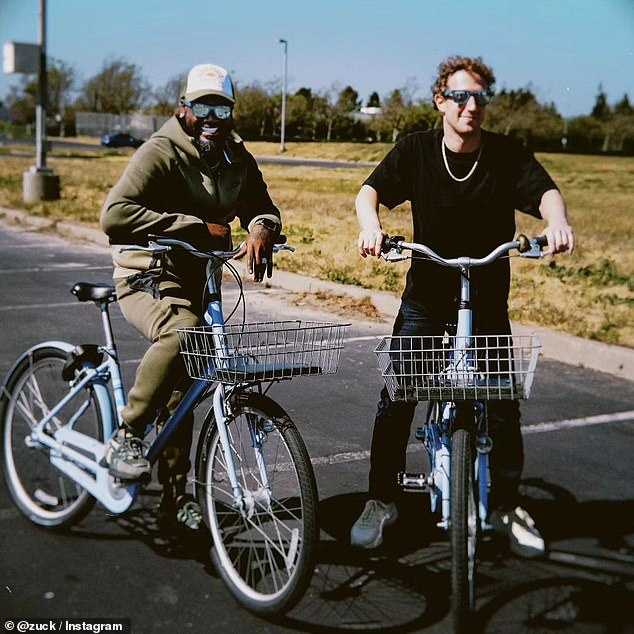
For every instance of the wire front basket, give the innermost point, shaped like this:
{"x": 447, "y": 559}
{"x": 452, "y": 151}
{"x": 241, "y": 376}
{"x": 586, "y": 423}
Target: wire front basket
{"x": 266, "y": 351}
{"x": 482, "y": 367}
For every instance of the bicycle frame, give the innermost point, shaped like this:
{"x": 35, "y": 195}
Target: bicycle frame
{"x": 437, "y": 438}
{"x": 463, "y": 361}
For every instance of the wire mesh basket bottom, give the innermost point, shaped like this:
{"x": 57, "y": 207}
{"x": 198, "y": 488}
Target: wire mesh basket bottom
{"x": 483, "y": 367}
{"x": 262, "y": 351}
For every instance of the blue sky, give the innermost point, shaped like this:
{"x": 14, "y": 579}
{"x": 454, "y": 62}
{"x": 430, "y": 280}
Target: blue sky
{"x": 562, "y": 48}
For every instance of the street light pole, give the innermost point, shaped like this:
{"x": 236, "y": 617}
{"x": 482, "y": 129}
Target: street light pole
{"x": 40, "y": 109}
{"x": 282, "y": 145}
{"x": 40, "y": 182}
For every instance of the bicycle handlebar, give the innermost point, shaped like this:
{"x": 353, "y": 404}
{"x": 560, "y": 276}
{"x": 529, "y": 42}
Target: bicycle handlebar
{"x": 528, "y": 248}
{"x": 159, "y": 244}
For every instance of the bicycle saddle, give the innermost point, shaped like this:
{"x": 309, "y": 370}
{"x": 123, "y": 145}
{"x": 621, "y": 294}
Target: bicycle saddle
{"x": 85, "y": 292}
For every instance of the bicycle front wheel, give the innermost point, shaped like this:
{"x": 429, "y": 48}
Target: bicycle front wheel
{"x": 464, "y": 529}
{"x": 264, "y": 547}
{"x": 43, "y": 493}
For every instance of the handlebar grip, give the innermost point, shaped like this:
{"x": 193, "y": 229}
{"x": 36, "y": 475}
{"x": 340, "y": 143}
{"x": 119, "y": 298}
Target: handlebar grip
{"x": 525, "y": 243}
{"x": 391, "y": 243}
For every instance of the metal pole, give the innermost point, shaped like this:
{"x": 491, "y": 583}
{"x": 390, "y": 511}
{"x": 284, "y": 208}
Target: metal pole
{"x": 40, "y": 182}
{"x": 40, "y": 112}
{"x": 282, "y": 145}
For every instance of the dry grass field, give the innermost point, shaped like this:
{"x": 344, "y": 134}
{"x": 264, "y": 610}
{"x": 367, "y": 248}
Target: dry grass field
{"x": 589, "y": 294}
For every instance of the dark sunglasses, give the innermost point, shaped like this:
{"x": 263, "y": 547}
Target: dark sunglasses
{"x": 202, "y": 110}
{"x": 461, "y": 97}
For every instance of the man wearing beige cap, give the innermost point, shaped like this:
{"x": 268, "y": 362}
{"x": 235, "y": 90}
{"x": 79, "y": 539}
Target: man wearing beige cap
{"x": 188, "y": 181}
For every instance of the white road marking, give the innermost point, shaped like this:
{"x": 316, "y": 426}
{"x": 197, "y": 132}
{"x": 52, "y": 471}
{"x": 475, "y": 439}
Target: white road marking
{"x": 70, "y": 266}
{"x": 36, "y": 306}
{"x": 538, "y": 428}
{"x": 601, "y": 419}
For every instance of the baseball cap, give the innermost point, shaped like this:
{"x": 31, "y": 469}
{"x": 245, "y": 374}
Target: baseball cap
{"x": 209, "y": 79}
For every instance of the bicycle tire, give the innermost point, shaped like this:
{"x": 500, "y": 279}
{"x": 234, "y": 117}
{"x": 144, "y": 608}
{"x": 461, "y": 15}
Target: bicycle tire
{"x": 264, "y": 555}
{"x": 41, "y": 492}
{"x": 464, "y": 529}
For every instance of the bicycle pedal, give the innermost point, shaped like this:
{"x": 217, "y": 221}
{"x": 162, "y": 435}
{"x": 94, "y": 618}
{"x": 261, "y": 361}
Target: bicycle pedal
{"x": 413, "y": 482}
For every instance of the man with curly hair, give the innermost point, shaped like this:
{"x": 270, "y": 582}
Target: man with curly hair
{"x": 464, "y": 185}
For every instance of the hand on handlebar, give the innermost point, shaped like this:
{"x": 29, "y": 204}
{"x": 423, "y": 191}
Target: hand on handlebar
{"x": 258, "y": 247}
{"x": 371, "y": 242}
{"x": 560, "y": 238}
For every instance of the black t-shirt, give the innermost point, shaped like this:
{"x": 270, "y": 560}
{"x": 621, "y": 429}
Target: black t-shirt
{"x": 468, "y": 218}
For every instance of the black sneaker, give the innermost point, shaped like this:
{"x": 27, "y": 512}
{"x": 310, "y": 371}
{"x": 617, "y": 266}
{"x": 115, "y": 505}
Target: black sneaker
{"x": 125, "y": 456}
{"x": 518, "y": 526}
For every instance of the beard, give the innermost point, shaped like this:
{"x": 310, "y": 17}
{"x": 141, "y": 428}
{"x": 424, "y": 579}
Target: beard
{"x": 205, "y": 147}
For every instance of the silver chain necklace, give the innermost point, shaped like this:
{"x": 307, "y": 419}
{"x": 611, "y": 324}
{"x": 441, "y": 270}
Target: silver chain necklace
{"x": 444, "y": 158}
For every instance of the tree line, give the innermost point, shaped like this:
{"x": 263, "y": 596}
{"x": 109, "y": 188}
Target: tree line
{"x": 335, "y": 114}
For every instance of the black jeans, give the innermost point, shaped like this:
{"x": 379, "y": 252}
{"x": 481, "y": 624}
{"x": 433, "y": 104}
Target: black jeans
{"x": 393, "y": 421}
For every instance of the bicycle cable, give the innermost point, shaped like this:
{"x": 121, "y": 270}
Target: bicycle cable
{"x": 219, "y": 263}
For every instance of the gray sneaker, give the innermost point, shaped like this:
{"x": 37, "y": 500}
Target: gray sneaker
{"x": 189, "y": 513}
{"x": 367, "y": 531}
{"x": 125, "y": 456}
{"x": 525, "y": 540}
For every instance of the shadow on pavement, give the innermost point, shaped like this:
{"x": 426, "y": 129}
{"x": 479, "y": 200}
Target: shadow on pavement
{"x": 586, "y": 584}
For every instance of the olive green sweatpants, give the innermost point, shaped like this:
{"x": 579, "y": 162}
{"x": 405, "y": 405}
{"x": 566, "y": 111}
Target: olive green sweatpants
{"x": 161, "y": 379}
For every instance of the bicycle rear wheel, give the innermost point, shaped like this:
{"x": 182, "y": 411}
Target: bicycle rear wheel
{"x": 44, "y": 494}
{"x": 464, "y": 529}
{"x": 264, "y": 551}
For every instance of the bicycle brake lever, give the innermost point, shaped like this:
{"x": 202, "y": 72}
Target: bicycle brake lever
{"x": 394, "y": 256}
{"x": 282, "y": 247}
{"x": 152, "y": 247}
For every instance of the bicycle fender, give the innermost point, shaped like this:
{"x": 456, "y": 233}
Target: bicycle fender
{"x": 62, "y": 345}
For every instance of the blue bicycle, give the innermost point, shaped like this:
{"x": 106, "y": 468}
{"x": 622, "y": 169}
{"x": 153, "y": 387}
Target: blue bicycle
{"x": 457, "y": 373}
{"x": 253, "y": 477}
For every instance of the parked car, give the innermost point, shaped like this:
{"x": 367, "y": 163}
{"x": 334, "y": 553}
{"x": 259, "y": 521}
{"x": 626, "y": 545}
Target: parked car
{"x": 120, "y": 139}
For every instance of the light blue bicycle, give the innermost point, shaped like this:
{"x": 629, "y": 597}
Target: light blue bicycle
{"x": 253, "y": 477}
{"x": 457, "y": 373}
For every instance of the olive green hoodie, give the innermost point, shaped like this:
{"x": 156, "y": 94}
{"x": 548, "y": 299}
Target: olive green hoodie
{"x": 167, "y": 189}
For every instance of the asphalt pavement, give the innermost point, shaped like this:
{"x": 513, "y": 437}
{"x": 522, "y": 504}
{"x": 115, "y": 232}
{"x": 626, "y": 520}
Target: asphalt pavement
{"x": 578, "y": 429}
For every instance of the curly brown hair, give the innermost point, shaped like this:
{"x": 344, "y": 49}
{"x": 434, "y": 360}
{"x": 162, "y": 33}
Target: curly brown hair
{"x": 455, "y": 63}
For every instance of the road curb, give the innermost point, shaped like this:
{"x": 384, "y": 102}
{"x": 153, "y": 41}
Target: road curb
{"x": 615, "y": 360}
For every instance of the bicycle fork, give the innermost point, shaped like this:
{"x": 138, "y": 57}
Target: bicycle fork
{"x": 436, "y": 437}
{"x": 483, "y": 447}
{"x": 245, "y": 500}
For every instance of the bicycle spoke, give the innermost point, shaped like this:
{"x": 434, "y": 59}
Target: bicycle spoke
{"x": 43, "y": 493}
{"x": 264, "y": 545}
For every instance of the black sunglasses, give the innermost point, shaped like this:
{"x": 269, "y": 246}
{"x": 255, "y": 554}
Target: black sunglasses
{"x": 202, "y": 110}
{"x": 461, "y": 97}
